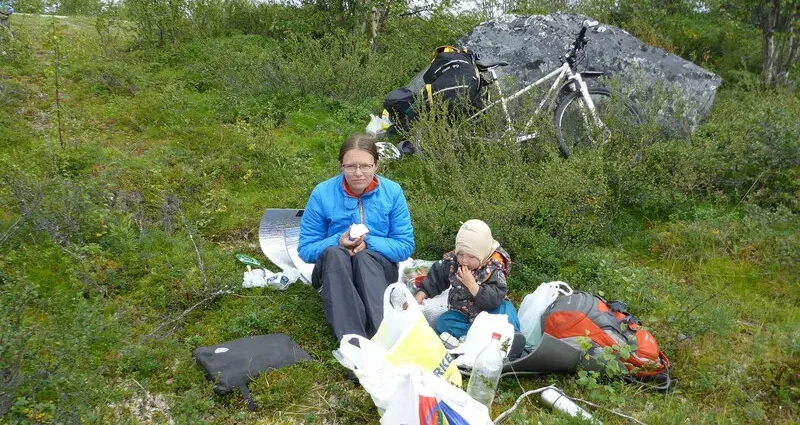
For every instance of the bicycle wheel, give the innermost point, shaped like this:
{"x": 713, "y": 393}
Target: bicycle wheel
{"x": 576, "y": 128}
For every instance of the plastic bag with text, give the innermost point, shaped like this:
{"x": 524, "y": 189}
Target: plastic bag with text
{"x": 422, "y": 398}
{"x": 403, "y": 338}
{"x": 409, "y": 339}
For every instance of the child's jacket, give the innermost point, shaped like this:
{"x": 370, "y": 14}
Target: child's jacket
{"x": 491, "y": 277}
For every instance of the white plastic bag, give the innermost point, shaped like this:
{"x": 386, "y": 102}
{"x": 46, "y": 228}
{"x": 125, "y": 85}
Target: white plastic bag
{"x": 434, "y": 307}
{"x": 377, "y": 125}
{"x": 256, "y": 278}
{"x": 421, "y": 398}
{"x": 370, "y": 363}
{"x": 412, "y": 273}
{"x": 388, "y": 151}
{"x": 480, "y": 334}
{"x": 397, "y": 321}
{"x": 534, "y": 305}
{"x": 291, "y": 236}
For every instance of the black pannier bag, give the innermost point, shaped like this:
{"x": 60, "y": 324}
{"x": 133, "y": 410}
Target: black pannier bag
{"x": 454, "y": 78}
{"x": 234, "y": 364}
{"x": 399, "y": 103}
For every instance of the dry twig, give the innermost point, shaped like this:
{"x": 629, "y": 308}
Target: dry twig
{"x": 159, "y": 332}
{"x": 11, "y": 230}
{"x": 174, "y": 202}
{"x": 214, "y": 295}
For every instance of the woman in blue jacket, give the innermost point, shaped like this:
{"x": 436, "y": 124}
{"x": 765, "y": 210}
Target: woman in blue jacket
{"x": 353, "y": 271}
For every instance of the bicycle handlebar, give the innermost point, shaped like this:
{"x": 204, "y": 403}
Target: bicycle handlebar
{"x": 578, "y": 44}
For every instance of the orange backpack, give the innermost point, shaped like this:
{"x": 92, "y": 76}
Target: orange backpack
{"x": 573, "y": 318}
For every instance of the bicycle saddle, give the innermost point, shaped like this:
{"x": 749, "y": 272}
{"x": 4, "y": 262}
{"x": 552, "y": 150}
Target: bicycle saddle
{"x": 483, "y": 66}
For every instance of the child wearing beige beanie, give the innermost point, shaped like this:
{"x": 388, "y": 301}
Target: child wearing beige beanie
{"x": 476, "y": 271}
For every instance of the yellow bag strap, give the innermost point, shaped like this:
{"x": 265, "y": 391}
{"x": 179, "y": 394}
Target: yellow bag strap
{"x": 429, "y": 91}
{"x": 445, "y": 49}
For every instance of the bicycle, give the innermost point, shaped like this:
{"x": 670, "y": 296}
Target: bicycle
{"x": 582, "y": 113}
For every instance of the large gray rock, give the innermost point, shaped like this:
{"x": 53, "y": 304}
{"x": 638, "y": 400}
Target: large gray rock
{"x": 532, "y": 45}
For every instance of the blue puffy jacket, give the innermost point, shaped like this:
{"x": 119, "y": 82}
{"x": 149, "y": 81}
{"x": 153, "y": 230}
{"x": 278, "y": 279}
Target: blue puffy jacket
{"x": 330, "y": 212}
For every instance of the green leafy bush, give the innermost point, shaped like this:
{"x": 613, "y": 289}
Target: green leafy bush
{"x": 751, "y": 150}
{"x": 465, "y": 176}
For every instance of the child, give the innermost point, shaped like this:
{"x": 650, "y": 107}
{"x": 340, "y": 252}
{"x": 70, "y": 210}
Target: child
{"x": 476, "y": 270}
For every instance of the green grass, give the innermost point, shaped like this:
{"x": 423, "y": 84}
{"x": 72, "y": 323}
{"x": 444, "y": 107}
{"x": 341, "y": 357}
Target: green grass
{"x": 192, "y": 141}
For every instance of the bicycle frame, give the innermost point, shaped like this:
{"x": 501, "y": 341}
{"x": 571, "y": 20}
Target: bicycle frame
{"x": 560, "y": 74}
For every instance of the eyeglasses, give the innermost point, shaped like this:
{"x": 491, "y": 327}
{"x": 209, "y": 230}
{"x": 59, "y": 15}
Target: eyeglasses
{"x": 352, "y": 168}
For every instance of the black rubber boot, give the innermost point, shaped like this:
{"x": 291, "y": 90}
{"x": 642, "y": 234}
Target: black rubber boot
{"x": 517, "y": 344}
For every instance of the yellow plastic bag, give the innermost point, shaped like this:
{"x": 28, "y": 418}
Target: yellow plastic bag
{"x": 408, "y": 339}
{"x": 403, "y": 339}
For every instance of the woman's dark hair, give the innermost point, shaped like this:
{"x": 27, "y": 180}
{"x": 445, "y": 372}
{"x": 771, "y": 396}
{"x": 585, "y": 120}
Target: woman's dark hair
{"x": 360, "y": 142}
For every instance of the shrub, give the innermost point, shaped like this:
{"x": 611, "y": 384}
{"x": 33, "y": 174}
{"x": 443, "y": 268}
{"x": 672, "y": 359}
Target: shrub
{"x": 463, "y": 176}
{"x": 750, "y": 151}
{"x": 14, "y": 51}
{"x": 109, "y": 77}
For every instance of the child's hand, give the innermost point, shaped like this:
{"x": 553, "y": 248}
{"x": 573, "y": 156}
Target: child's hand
{"x": 464, "y": 274}
{"x": 420, "y": 296}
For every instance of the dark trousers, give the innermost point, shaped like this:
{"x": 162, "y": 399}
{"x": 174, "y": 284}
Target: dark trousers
{"x": 352, "y": 289}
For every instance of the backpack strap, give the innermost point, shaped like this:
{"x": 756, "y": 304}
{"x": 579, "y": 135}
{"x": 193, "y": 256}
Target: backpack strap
{"x": 251, "y": 403}
{"x": 616, "y": 305}
{"x": 429, "y": 94}
{"x": 661, "y": 382}
{"x": 620, "y": 307}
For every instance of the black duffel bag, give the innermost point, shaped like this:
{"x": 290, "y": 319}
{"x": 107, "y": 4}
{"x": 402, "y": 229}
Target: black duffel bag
{"x": 399, "y": 103}
{"x": 234, "y": 364}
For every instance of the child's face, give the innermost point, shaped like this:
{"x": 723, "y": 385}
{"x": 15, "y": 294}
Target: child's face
{"x": 468, "y": 261}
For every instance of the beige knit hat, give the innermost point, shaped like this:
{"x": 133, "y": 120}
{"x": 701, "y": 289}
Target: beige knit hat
{"x": 475, "y": 238}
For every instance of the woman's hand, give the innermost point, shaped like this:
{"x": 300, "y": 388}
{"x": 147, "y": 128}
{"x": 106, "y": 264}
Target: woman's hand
{"x": 348, "y": 243}
{"x": 362, "y": 246}
{"x": 464, "y": 274}
{"x": 354, "y": 246}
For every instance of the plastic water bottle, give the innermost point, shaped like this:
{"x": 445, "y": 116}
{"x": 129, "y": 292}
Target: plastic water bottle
{"x": 486, "y": 372}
